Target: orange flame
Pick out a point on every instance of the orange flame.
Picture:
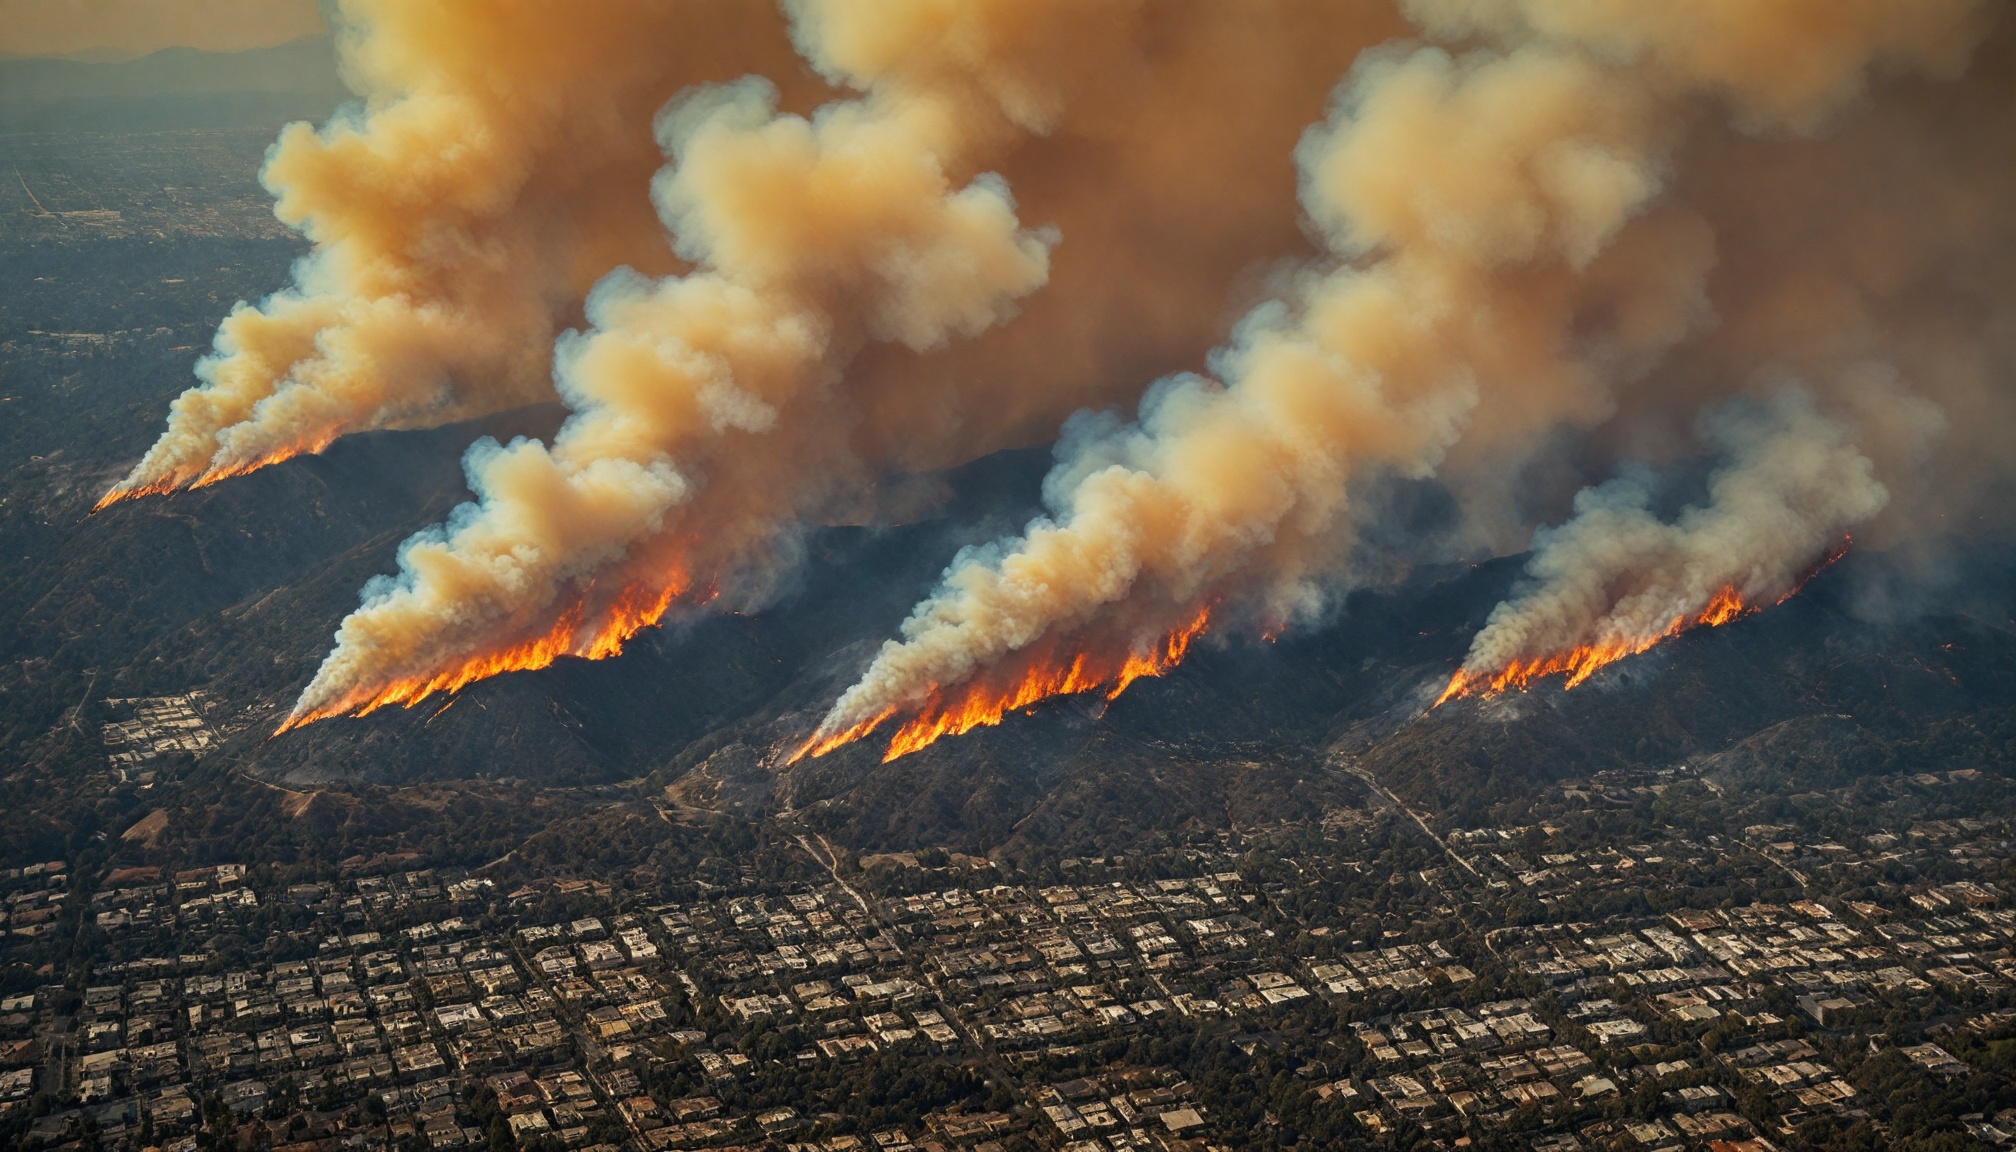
(819, 745)
(977, 704)
(214, 474)
(632, 612)
(158, 488)
(169, 485)
(1585, 660)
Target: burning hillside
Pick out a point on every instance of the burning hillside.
(984, 701)
(1555, 262)
(1582, 661)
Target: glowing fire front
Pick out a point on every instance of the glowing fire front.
(215, 474)
(158, 488)
(981, 704)
(1585, 660)
(633, 613)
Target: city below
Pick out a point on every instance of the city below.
(1363, 979)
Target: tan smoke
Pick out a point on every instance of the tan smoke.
(1510, 260)
(717, 413)
(810, 236)
(498, 164)
(1537, 248)
(1779, 63)
(1162, 246)
(1615, 577)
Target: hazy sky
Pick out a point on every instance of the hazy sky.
(116, 29)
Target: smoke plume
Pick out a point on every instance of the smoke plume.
(716, 412)
(499, 162)
(495, 167)
(705, 403)
(1615, 578)
(771, 257)
(1505, 260)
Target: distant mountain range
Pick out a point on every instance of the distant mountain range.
(173, 88)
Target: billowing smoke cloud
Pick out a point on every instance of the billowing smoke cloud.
(1505, 261)
(1532, 242)
(1615, 578)
(496, 166)
(1779, 64)
(716, 415)
(706, 404)
(499, 164)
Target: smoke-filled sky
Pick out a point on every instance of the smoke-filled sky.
(1249, 266)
